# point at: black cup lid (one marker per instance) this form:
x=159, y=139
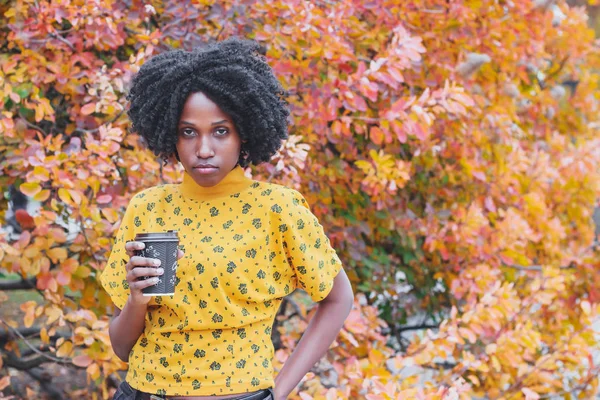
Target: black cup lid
x=168, y=235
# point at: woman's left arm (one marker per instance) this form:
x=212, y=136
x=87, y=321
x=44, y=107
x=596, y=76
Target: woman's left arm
x=320, y=333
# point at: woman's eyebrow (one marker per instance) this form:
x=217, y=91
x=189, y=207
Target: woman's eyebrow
x=224, y=121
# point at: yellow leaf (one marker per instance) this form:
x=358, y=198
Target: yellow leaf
x=30, y=188
x=585, y=306
x=365, y=166
x=64, y=195
x=53, y=314
x=42, y=196
x=65, y=349
x=474, y=379
x=41, y=173
x=44, y=335
x=10, y=13
x=39, y=112
x=57, y=254
x=93, y=371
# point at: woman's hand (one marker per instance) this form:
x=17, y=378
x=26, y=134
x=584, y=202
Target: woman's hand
x=142, y=272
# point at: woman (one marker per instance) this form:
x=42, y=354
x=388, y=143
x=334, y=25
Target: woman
x=244, y=244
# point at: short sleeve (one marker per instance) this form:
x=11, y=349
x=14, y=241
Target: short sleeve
x=309, y=252
x=113, y=278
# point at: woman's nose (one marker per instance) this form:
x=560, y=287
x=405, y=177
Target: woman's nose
x=205, y=149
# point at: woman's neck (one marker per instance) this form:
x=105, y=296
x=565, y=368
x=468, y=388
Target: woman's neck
x=234, y=182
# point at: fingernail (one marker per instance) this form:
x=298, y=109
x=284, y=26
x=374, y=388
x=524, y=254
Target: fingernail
x=156, y=262
x=160, y=271
x=154, y=280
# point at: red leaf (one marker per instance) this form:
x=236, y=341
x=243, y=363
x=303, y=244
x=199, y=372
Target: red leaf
x=24, y=219
x=332, y=109
x=399, y=131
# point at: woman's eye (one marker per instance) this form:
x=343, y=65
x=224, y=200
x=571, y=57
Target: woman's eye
x=221, y=132
x=187, y=132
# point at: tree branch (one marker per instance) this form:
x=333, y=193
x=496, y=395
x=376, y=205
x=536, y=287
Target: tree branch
x=62, y=39
x=41, y=354
x=18, y=285
x=415, y=328
x=438, y=365
x=33, y=331
x=11, y=360
x=33, y=126
x=536, y=268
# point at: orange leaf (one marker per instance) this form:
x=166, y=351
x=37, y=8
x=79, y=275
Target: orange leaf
x=75, y=195
x=29, y=309
x=82, y=360
x=63, y=278
x=376, y=135
x=4, y=382
x=88, y=108
x=46, y=281
x=70, y=265
x=110, y=214
x=104, y=199
x=93, y=371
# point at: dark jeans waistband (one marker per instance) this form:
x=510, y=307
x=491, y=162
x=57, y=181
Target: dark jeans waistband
x=126, y=392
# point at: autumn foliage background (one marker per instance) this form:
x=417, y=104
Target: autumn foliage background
x=450, y=149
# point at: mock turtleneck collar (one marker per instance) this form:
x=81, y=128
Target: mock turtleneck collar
x=234, y=182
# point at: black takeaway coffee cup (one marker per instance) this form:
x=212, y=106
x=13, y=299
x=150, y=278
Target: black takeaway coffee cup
x=163, y=246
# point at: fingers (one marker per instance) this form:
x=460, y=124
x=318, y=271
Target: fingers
x=142, y=283
x=137, y=261
x=180, y=254
x=140, y=272
x=132, y=247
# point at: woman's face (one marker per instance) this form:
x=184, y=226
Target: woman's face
x=208, y=143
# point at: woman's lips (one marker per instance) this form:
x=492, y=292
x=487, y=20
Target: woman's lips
x=206, y=169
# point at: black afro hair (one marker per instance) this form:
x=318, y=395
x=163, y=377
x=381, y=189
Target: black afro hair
x=233, y=73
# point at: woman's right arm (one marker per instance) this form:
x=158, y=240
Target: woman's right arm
x=127, y=324
x=126, y=327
